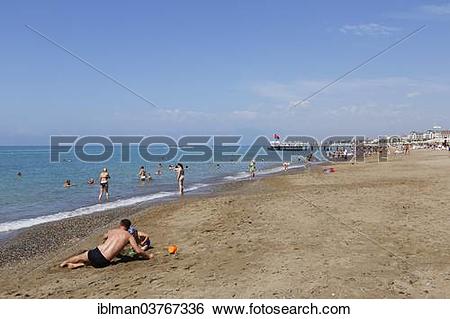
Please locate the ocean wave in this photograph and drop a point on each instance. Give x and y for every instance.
(238, 176)
(24, 223)
(267, 171)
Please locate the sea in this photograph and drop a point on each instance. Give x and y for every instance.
(38, 195)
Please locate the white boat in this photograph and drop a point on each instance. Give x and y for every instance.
(288, 146)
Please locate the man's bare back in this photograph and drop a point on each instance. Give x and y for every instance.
(116, 240)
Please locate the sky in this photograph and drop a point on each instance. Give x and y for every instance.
(221, 67)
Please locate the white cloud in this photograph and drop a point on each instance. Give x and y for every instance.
(287, 93)
(273, 90)
(423, 12)
(300, 103)
(245, 114)
(370, 29)
(365, 105)
(443, 9)
(357, 105)
(354, 88)
(412, 94)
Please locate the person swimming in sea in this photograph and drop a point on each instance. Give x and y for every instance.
(91, 181)
(159, 171)
(19, 174)
(67, 183)
(179, 169)
(104, 184)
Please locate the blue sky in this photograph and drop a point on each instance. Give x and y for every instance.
(222, 67)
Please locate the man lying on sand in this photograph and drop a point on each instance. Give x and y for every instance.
(115, 241)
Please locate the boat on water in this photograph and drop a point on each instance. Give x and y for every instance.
(333, 149)
(288, 146)
(331, 152)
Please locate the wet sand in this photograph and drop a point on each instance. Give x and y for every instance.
(372, 230)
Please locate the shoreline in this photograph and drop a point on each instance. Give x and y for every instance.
(39, 239)
(10, 228)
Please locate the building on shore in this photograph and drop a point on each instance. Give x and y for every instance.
(436, 135)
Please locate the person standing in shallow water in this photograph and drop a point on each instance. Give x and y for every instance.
(179, 169)
(142, 174)
(252, 168)
(104, 181)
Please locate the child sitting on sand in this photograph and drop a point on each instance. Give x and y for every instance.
(142, 239)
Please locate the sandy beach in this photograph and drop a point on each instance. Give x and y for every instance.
(370, 230)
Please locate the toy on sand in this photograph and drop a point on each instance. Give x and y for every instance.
(172, 249)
